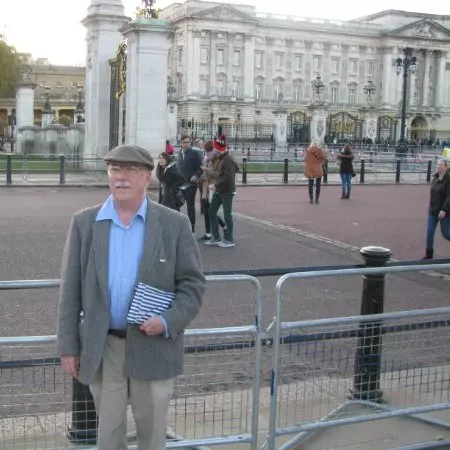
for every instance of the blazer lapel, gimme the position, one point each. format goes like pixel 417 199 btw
pixel 152 240
pixel 101 254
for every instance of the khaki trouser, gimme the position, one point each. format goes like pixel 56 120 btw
pixel 112 391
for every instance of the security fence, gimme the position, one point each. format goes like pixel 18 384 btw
pixel 325 372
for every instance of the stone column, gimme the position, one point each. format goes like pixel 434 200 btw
pixel 212 65
pixel 146 106
pixel 426 79
pixel 172 115
pixel 103 20
pixel 412 88
pixel 440 83
pixel 249 68
pixel 193 64
pixel 25 104
pixel 319 115
pixel 387 66
pixel 229 63
pixel 280 129
pixel 371 124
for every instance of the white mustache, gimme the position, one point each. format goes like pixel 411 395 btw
pixel 122 185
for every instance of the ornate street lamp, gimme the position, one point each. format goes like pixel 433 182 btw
pixel 79 111
pixel 407 66
pixel 318 88
pixel 369 91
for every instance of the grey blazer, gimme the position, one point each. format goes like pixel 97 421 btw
pixel 170 261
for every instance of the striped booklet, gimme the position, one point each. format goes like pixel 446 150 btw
pixel 148 302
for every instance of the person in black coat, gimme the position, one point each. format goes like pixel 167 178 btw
pixel 439 207
pixel 171 180
pixel 190 163
pixel 346 171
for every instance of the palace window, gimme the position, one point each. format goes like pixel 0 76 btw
pixel 335 66
pixel 220 56
pixel 259 60
pixel 371 68
pixel 317 63
pixel 237 58
pixel 353 67
pixel 298 62
pixel 298 90
pixel 352 96
pixel 180 55
pixel 204 55
pixel 203 86
pixel 279 60
pixel 258 91
pixel 334 95
pixel 221 85
pixel 236 89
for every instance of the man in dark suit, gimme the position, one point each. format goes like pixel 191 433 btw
pixel 111 248
pixel 190 165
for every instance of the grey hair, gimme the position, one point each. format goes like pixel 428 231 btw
pixel 317 142
pixel 198 142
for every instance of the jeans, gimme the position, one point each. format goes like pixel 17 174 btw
pixel 189 195
pixel 431 229
pixel 226 200
pixel 346 179
pixel 311 187
pixel 206 205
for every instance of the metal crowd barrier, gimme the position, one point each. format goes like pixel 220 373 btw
pixel 346 370
pixel 215 401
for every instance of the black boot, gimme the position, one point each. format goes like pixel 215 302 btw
pixel 317 194
pixel 429 253
pixel 347 196
pixel 311 192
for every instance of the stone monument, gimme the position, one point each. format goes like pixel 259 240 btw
pixel 280 126
pixel 318 110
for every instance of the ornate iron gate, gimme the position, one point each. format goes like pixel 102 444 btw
pixel 344 127
pixel 118 86
pixel 298 127
pixel 386 129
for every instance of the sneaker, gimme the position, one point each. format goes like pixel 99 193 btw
pixel 211 242
pixel 205 237
pixel 226 244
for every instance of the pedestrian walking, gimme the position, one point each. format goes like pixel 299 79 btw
pixel 170 182
pixel 346 171
pixel 439 207
pixel 129 254
pixel 314 160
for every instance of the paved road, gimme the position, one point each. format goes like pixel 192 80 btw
pixel 34 223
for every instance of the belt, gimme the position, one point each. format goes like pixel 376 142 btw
pixel 121 334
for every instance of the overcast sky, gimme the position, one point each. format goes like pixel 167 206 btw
pixel 51 28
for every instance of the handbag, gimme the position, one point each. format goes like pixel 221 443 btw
pixel 179 199
pixel 147 302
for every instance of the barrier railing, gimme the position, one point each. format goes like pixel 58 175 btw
pixel 216 400
pixel 255 168
pixel 374 357
pixel 390 365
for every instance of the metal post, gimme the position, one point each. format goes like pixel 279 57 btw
pixel 430 164
pixel 363 171
pixel 366 381
pixel 84 417
pixel 397 171
pixel 244 170
pixel 8 170
pixel 325 172
pixel 286 171
pixel 62 169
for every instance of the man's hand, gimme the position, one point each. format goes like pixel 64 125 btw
pixel 70 365
pixel 442 215
pixel 153 327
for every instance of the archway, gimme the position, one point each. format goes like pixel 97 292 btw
pixel 419 129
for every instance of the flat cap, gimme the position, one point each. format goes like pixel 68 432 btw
pixel 130 154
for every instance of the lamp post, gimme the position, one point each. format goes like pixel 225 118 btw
pixel 318 88
pixel 369 91
pixel 79 111
pixel 405 66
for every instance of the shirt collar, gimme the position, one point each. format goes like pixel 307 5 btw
pixel 108 211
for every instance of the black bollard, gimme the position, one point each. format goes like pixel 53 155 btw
pixel 62 169
pixel 366 381
pixel 244 170
pixel 397 171
pixel 363 171
pixel 286 171
pixel 430 165
pixel 84 417
pixel 8 170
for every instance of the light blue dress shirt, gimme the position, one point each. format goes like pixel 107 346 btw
pixel 125 252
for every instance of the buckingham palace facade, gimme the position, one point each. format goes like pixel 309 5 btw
pixel 231 64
